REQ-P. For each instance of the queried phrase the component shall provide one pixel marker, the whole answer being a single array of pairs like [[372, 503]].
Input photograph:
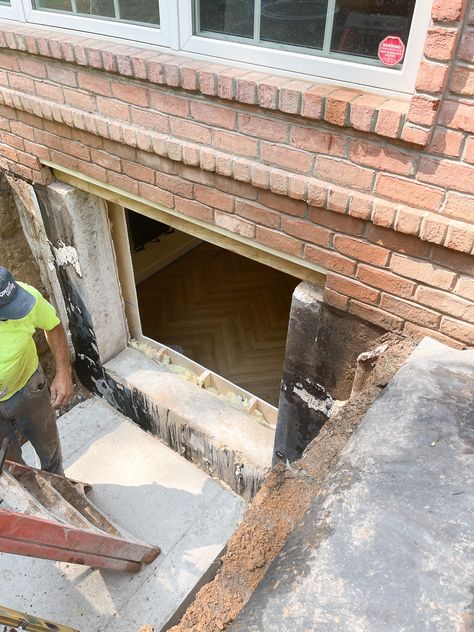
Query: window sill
[[406, 120]]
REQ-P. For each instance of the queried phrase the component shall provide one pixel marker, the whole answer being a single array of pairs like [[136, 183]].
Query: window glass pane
[[231, 17], [360, 25], [296, 22], [139, 11], [5, 2]]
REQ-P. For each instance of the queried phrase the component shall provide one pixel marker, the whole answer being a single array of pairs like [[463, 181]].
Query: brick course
[[377, 190]]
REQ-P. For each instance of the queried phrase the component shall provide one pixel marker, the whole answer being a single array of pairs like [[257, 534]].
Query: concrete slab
[[152, 493], [387, 544], [225, 441]]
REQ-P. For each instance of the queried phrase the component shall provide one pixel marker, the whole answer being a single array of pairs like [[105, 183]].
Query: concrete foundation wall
[[378, 191]]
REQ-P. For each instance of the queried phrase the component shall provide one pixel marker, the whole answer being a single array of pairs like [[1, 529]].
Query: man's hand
[[61, 389]]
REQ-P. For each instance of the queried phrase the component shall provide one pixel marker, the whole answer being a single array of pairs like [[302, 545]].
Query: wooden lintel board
[[294, 266]]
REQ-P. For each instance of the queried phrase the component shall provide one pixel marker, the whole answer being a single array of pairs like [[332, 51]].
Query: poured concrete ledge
[[386, 545], [227, 443]]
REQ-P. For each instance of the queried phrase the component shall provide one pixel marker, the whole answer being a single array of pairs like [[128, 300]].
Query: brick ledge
[[425, 225], [383, 116]]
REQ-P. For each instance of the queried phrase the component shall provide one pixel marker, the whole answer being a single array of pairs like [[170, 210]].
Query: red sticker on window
[[391, 50]]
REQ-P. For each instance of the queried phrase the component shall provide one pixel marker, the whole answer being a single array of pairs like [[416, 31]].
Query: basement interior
[[227, 312]]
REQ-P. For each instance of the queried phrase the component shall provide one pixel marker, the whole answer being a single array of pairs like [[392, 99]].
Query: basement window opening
[[219, 309]]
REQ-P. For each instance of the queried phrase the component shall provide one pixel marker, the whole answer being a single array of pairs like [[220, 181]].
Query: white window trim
[[158, 35], [177, 32], [313, 67]]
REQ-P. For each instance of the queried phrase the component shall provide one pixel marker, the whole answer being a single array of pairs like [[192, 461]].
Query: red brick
[[191, 155], [8, 61], [247, 87], [240, 189], [268, 91], [286, 157], [344, 173], [195, 209], [226, 80], [329, 260], [314, 101], [458, 115], [469, 150], [361, 250], [446, 303], [457, 261], [361, 206], [208, 79], [122, 182], [214, 198], [265, 128], [385, 281], [241, 170], [459, 206], [174, 184], [146, 118], [338, 201], [191, 130], [446, 142], [21, 83], [423, 110], [306, 231], [380, 157], [409, 220], [446, 173], [465, 287], [351, 288], [409, 192], [424, 271], [460, 237], [234, 143], [62, 75], [235, 224], [416, 135], [446, 10], [257, 213], [297, 187], [260, 176], [390, 116], [213, 115], [337, 106], [409, 311], [282, 204], [114, 109], [49, 91], [433, 228], [87, 139], [440, 43], [431, 77], [278, 241], [417, 333], [279, 181], [336, 300], [317, 194], [458, 330], [130, 93], [462, 80], [138, 172], [189, 74], [363, 110], [291, 96], [338, 222], [32, 67], [466, 50], [169, 103], [383, 214], [376, 316], [12, 140], [99, 84], [316, 140], [157, 195], [79, 100]]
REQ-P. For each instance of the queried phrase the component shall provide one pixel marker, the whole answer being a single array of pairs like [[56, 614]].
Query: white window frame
[[158, 35], [12, 12], [176, 31], [315, 67]]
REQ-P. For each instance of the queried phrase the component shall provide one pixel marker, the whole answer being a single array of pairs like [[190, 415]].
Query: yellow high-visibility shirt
[[18, 355]]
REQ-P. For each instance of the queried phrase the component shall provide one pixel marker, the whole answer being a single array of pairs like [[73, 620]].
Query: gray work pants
[[29, 413]]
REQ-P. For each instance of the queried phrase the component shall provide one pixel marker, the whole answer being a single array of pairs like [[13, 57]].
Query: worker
[[27, 405]]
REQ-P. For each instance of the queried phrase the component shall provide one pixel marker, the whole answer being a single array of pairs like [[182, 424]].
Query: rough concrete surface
[[152, 493], [386, 544], [282, 501]]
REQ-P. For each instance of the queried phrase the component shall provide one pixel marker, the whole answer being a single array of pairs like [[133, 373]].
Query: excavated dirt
[[282, 501]]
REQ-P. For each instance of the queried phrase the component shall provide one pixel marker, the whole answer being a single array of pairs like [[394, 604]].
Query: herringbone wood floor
[[227, 312]]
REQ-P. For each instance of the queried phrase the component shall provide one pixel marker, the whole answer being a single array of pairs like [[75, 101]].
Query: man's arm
[[61, 387]]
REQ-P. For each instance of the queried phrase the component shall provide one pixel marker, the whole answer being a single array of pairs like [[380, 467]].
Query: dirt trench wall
[[16, 255]]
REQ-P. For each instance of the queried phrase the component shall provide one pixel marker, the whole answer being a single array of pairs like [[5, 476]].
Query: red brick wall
[[377, 190]]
